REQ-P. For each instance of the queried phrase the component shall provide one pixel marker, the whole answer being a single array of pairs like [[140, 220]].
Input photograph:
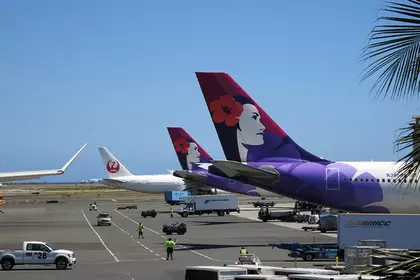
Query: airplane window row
[[378, 180]]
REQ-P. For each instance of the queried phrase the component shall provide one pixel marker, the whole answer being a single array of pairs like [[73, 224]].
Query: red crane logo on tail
[[113, 166]]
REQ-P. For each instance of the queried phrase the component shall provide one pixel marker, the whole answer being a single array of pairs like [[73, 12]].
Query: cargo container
[[398, 231], [206, 204], [173, 197]]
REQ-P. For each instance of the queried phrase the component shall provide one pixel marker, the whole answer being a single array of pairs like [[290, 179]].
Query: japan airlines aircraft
[[195, 162], [260, 153], [120, 177], [29, 175]]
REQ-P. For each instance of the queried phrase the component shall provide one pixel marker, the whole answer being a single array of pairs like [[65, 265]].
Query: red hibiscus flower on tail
[[181, 145], [226, 110]]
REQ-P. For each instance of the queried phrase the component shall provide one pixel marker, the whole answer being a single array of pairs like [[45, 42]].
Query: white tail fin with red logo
[[112, 165]]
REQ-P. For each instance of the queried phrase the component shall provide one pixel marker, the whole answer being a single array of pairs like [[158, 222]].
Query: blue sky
[[117, 73]]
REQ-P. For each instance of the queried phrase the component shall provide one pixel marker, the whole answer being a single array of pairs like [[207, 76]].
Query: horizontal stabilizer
[[265, 175], [199, 177], [109, 180]]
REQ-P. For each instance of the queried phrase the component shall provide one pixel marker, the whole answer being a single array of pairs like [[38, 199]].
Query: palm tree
[[393, 53]]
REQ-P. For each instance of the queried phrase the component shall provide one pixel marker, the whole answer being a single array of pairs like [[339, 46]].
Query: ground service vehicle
[[311, 251], [151, 212], [212, 272], [133, 206], [93, 207], [248, 259], [104, 219], [284, 216], [310, 254], [262, 203], [397, 230], [174, 197], [179, 228], [206, 204], [37, 253]]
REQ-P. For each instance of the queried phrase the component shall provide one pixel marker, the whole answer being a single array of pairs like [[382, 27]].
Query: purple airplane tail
[[189, 152], [245, 130]]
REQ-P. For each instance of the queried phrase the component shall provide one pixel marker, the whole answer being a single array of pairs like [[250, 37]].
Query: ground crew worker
[[172, 212], [243, 251], [169, 248], [141, 230]]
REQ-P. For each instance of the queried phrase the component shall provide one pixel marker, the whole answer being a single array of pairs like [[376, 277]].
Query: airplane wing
[[193, 180], [264, 175], [199, 177], [29, 175]]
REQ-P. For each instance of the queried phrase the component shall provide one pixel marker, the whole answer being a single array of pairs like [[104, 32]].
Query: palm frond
[[408, 172], [394, 50]]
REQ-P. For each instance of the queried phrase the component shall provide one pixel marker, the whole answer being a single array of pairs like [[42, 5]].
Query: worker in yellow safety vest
[[169, 248], [243, 251], [141, 230]]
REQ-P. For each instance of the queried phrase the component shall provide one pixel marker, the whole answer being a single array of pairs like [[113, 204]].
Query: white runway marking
[[97, 234], [138, 242], [195, 252]]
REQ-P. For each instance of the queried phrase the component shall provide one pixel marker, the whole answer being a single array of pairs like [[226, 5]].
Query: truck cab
[[37, 252]]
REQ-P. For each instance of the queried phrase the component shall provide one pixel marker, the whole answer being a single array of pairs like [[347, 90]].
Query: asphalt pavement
[[115, 252]]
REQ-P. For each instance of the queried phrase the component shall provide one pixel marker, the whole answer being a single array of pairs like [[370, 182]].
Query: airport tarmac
[[114, 252]]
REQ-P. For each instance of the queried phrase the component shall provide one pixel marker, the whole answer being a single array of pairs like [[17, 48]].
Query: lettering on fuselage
[[376, 224], [391, 175]]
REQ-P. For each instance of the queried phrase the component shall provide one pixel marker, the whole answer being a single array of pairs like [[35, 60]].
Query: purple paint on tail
[[245, 130]]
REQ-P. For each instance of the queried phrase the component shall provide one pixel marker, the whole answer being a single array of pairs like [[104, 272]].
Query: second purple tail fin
[[245, 130], [187, 149]]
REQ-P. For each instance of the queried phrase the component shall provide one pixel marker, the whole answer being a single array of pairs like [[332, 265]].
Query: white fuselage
[[159, 183], [397, 197], [149, 183]]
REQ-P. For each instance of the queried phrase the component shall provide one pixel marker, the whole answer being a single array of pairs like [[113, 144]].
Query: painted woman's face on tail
[[193, 155], [251, 128]]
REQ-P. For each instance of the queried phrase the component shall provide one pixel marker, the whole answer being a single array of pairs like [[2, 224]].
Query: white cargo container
[[206, 204], [397, 230]]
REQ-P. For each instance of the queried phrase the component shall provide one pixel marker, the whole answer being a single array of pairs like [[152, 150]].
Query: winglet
[[61, 171]]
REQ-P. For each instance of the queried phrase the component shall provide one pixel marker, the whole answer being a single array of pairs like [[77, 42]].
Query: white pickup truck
[[37, 253]]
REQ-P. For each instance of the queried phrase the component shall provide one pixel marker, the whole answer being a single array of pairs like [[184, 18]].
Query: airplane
[[260, 153], [29, 175], [195, 162], [92, 181], [120, 177]]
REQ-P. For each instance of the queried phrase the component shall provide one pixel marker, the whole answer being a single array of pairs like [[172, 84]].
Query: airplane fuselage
[[151, 183], [369, 187], [363, 187], [148, 183]]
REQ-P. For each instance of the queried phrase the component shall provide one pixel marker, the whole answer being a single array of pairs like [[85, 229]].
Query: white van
[[260, 277], [212, 272], [332, 277]]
